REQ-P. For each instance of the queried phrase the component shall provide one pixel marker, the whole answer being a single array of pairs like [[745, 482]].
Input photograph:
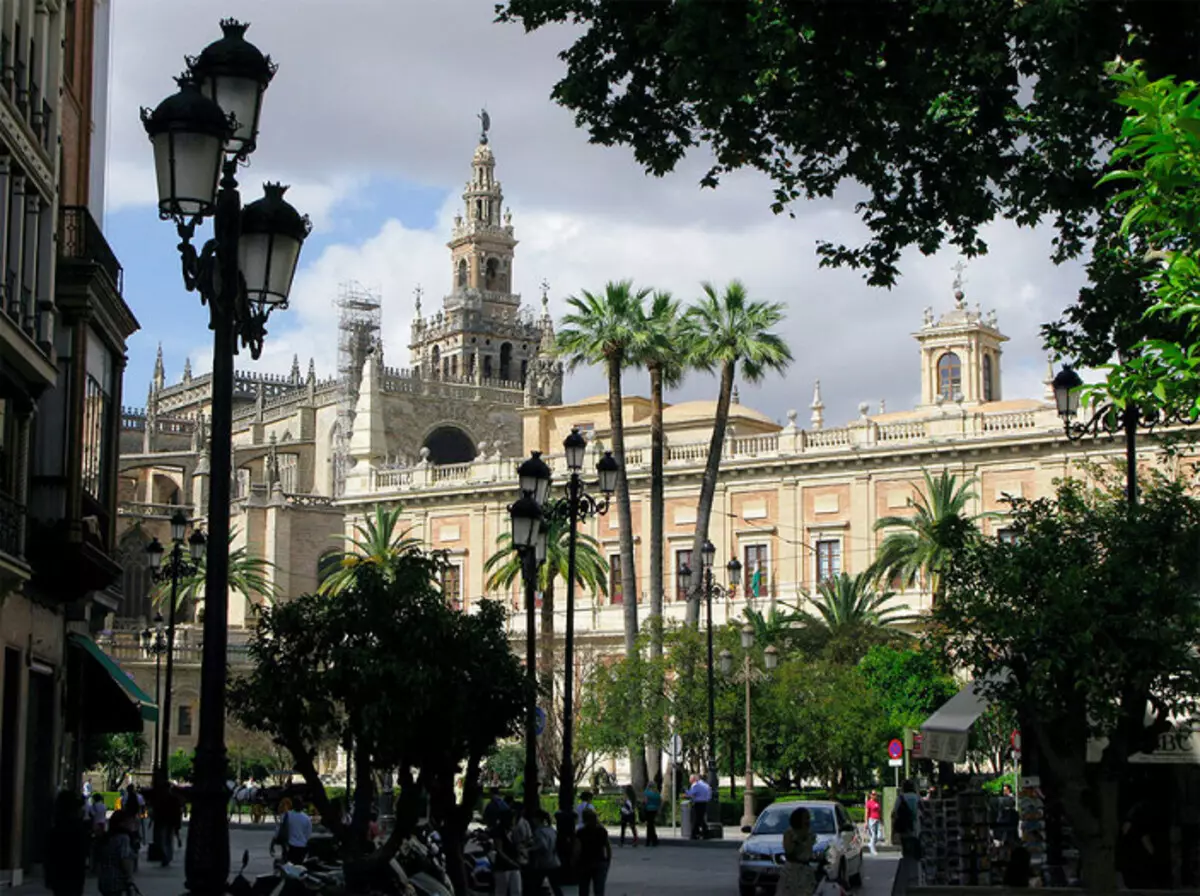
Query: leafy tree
[[728, 329], [248, 575], [116, 755], [1084, 624], [591, 573], [1157, 166], [908, 683], [851, 615], [331, 669], [945, 115], [181, 766], [625, 702], [919, 547], [506, 761], [376, 541], [820, 720]]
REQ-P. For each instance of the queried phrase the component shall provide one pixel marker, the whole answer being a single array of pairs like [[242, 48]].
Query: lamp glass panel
[[575, 454], [240, 97], [726, 662], [747, 638], [187, 166], [771, 657], [268, 264], [523, 530], [178, 527]]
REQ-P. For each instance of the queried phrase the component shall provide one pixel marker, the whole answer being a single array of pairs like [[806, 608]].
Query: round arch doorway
[[449, 445]]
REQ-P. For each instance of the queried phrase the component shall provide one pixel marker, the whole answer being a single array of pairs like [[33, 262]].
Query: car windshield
[[776, 821]]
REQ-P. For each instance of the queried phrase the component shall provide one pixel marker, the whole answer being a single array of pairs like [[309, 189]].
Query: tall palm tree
[[662, 347], [729, 329], [601, 328], [248, 574], [920, 544], [591, 572], [377, 540]]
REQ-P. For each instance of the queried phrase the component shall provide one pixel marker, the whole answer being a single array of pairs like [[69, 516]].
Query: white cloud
[[386, 91]]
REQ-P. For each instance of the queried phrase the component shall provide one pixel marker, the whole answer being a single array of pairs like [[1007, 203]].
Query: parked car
[[761, 856]]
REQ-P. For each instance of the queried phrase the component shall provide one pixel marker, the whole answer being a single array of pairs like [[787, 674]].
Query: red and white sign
[[895, 750]]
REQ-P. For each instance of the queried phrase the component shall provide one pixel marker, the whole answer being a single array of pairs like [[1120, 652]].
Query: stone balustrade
[[954, 425]]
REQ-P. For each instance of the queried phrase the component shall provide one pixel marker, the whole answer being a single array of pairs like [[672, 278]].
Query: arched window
[[505, 361], [491, 272], [454, 365], [949, 376], [524, 372], [988, 391], [436, 361], [462, 273], [487, 367], [478, 209]]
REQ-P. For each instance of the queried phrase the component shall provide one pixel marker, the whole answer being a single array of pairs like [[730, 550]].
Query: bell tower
[[960, 353], [482, 334]]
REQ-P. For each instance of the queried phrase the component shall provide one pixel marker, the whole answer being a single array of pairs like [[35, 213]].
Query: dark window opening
[[450, 445], [183, 726], [949, 376], [506, 361], [615, 589]]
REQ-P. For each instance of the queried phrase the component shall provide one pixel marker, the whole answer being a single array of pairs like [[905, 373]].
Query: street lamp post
[[770, 660], [1108, 419], [153, 641], [242, 273], [176, 567], [734, 569], [529, 533], [576, 506]]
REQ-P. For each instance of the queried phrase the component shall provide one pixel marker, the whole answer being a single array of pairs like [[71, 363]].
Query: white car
[[761, 856]]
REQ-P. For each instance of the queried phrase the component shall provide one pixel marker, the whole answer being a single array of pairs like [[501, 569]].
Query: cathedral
[[441, 438]]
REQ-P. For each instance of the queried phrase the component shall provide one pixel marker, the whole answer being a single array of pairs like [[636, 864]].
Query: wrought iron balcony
[[81, 241]]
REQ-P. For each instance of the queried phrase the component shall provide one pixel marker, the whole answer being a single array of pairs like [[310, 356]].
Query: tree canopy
[[949, 115], [1086, 624]]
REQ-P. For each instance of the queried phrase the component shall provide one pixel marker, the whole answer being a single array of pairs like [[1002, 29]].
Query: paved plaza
[[708, 869]]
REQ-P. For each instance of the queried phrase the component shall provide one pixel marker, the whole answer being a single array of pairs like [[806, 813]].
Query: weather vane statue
[[959, 281], [485, 124]]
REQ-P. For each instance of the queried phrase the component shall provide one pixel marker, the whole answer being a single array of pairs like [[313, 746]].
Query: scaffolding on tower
[[360, 320]]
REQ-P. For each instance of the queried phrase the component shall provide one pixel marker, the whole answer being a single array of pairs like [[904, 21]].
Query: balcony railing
[[80, 239]]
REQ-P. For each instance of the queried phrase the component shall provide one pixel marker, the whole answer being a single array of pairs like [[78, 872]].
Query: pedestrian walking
[[629, 814], [906, 833], [585, 803], [67, 846], [97, 817], [494, 809], [522, 836], [796, 877], [292, 834], [593, 853], [114, 858], [699, 793], [652, 800], [873, 813], [131, 805], [168, 821], [543, 858], [506, 866]]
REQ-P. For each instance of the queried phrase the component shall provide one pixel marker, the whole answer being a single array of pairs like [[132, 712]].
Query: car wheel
[[841, 875], [856, 879]]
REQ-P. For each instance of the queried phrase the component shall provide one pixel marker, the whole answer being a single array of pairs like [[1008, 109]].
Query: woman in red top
[[874, 816]]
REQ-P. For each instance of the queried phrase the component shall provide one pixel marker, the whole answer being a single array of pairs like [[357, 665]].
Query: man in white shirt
[[700, 794], [585, 802]]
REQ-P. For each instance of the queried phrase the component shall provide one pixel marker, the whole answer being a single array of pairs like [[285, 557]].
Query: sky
[[371, 119]]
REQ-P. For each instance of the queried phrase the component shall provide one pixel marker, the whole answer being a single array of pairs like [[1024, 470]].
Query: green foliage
[[851, 616], [591, 568], [116, 755], [918, 549], [248, 575], [946, 115], [1093, 610], [1156, 167], [821, 720], [728, 328], [507, 762], [624, 702], [909, 684], [375, 542], [181, 765], [329, 669]]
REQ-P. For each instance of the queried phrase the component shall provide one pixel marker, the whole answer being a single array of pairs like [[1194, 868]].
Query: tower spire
[[160, 377], [818, 407]]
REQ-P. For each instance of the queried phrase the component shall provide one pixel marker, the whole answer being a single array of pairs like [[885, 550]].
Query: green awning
[[143, 701]]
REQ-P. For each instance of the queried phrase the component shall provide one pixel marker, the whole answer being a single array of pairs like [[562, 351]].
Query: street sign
[[1015, 740], [895, 750], [895, 763], [675, 746], [540, 720]]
